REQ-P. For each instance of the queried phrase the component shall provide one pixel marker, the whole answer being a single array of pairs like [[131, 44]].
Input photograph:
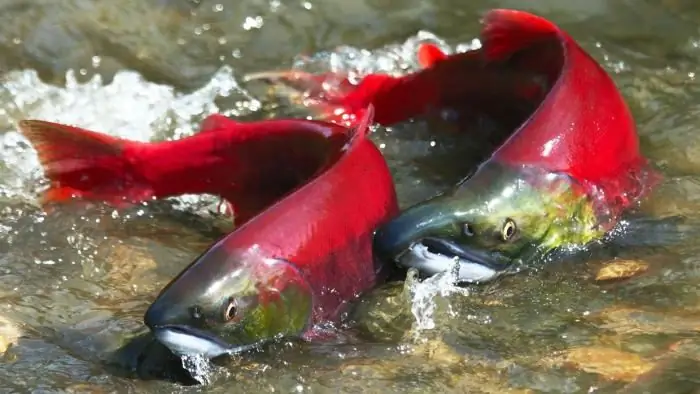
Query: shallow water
[[75, 284]]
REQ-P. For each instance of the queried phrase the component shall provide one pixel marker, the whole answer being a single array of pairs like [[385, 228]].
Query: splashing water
[[424, 295], [199, 367], [394, 59]]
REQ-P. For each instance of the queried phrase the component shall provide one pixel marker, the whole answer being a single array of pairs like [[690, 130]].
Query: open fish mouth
[[184, 340], [431, 256]]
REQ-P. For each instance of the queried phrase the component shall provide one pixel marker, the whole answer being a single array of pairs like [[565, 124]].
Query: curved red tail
[[85, 164]]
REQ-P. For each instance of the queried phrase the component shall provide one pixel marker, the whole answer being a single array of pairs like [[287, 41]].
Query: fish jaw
[[497, 222], [228, 301], [185, 340], [428, 263]]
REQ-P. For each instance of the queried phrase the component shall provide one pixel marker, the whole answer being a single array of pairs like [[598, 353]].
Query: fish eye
[[468, 229], [509, 230], [231, 309]]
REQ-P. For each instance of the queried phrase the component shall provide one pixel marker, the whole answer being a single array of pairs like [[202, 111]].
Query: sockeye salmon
[[312, 194], [568, 169]]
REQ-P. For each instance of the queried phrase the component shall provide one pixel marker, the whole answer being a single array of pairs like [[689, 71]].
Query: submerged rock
[[672, 375], [631, 321], [9, 334], [621, 269], [609, 363]]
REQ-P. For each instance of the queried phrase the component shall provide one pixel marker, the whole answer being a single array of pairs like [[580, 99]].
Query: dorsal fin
[[362, 128], [508, 31], [216, 122], [429, 54]]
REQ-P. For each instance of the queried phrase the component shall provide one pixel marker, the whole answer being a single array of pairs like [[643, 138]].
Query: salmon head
[[492, 224], [245, 299], [291, 267], [560, 180]]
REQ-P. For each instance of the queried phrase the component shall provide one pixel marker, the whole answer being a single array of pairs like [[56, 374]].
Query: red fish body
[[567, 169], [307, 194], [250, 165], [565, 110]]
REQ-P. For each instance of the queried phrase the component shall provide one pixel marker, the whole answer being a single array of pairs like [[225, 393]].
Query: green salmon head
[[489, 224], [228, 301]]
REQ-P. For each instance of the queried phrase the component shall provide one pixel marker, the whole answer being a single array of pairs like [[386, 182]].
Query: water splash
[[394, 59], [199, 367], [425, 295]]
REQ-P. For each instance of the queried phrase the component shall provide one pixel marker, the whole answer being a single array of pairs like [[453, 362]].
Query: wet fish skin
[[295, 266], [250, 165], [307, 196], [563, 177]]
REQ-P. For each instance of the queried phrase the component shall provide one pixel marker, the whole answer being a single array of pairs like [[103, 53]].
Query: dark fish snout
[[162, 313], [154, 316], [397, 235]]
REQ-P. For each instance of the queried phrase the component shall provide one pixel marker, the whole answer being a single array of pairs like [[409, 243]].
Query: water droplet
[[252, 23], [218, 7]]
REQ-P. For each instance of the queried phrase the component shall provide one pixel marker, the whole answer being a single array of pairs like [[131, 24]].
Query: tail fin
[[83, 163]]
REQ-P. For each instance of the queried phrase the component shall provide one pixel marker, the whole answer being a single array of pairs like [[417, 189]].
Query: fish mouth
[[184, 341], [432, 255]]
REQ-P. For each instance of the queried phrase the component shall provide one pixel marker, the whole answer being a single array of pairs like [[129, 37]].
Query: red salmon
[[321, 189], [249, 164], [563, 176]]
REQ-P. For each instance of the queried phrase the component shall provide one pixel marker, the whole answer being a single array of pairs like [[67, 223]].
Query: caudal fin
[[85, 164]]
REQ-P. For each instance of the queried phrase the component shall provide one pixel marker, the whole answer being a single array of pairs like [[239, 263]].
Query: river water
[[74, 284]]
